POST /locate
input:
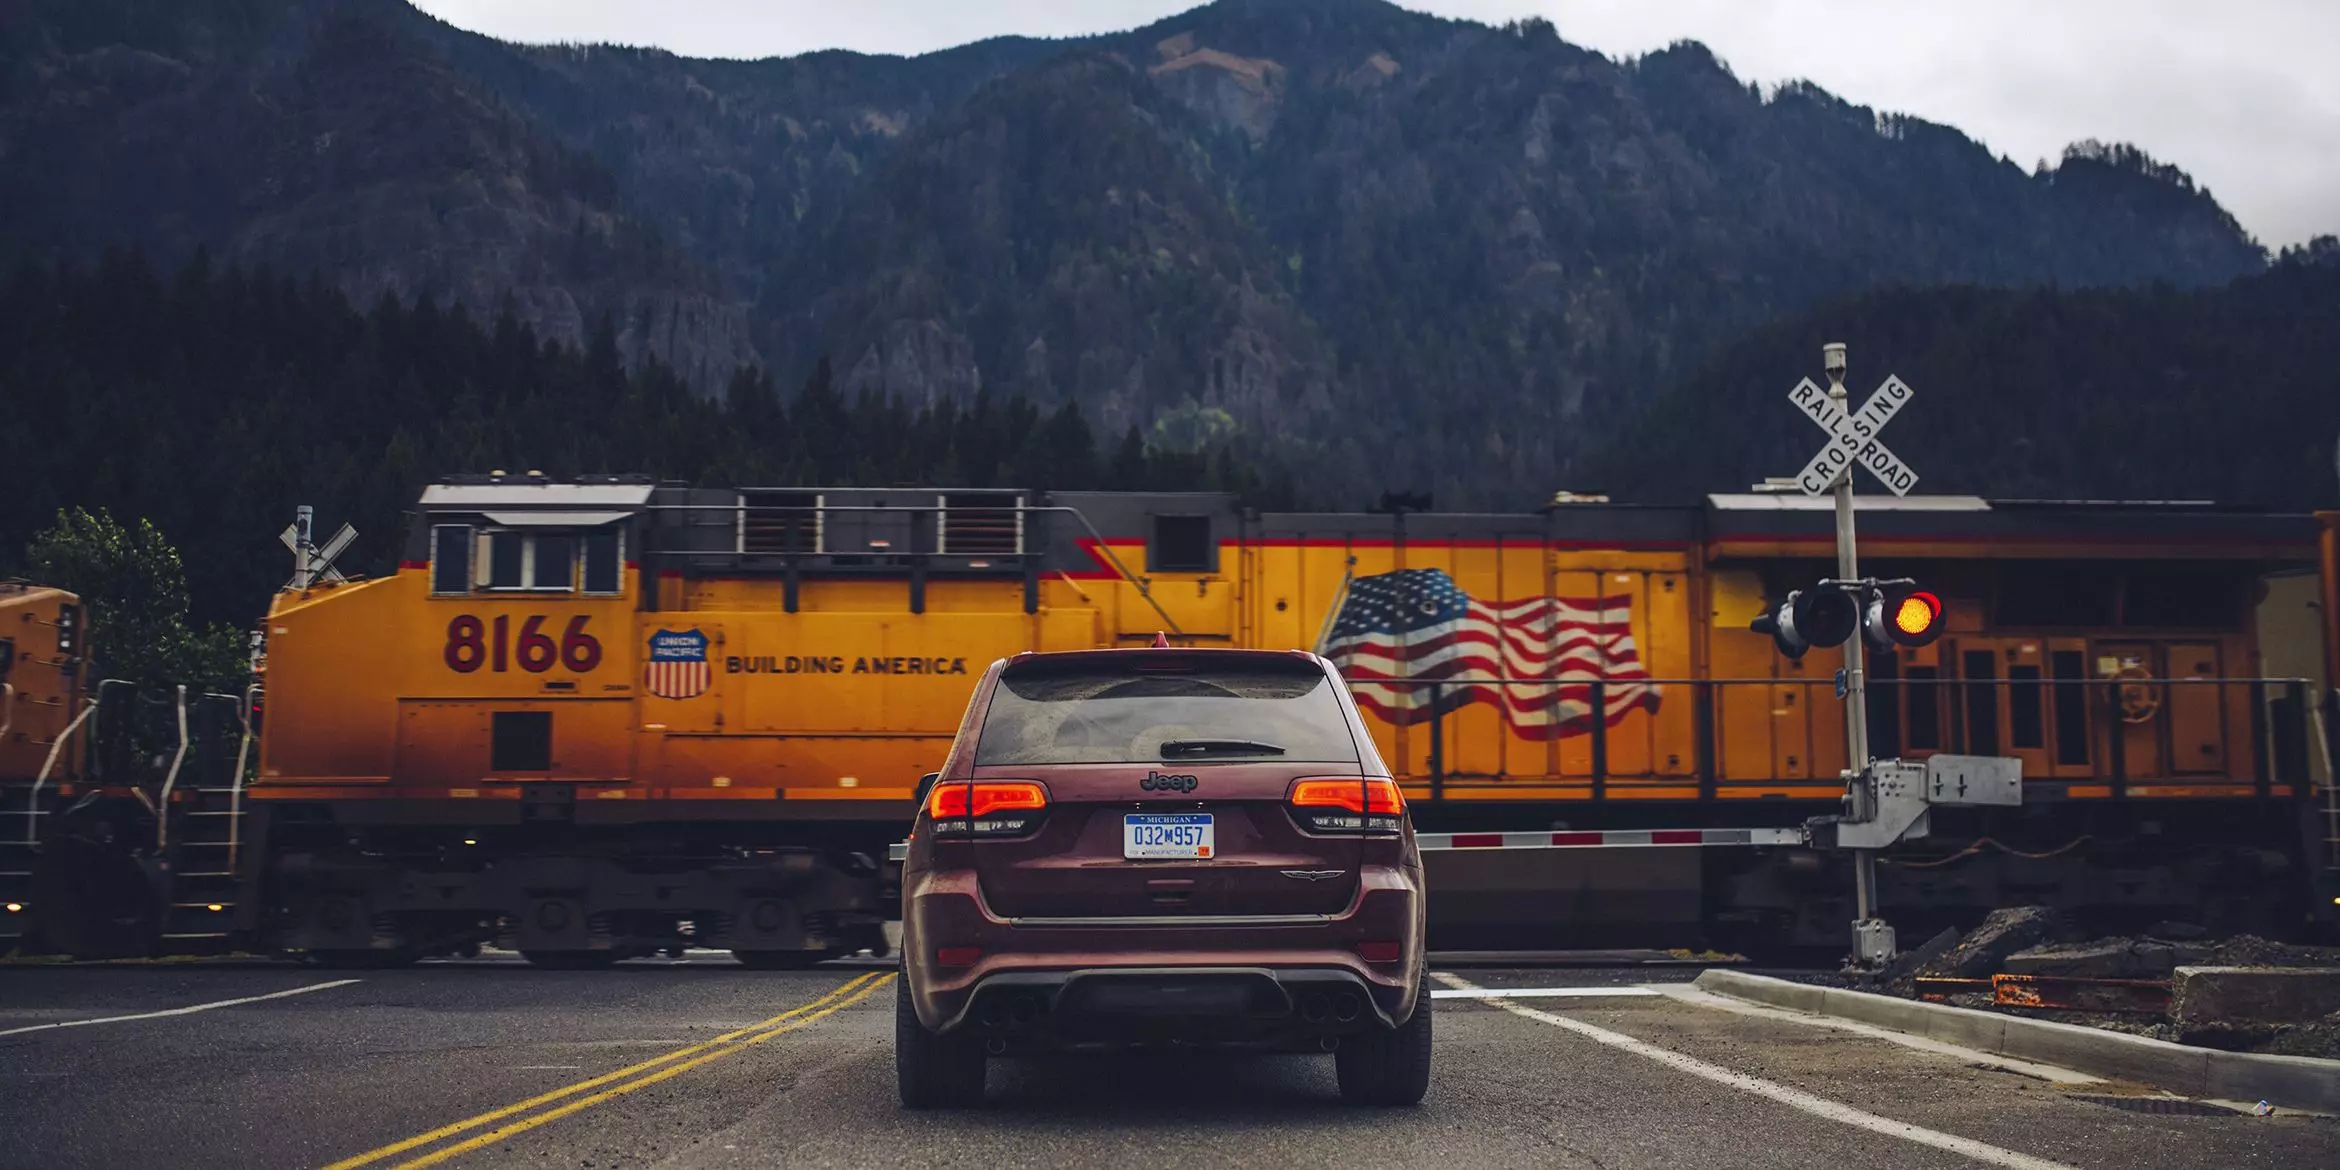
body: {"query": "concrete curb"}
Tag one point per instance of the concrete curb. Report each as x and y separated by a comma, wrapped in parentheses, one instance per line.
(2293, 1082)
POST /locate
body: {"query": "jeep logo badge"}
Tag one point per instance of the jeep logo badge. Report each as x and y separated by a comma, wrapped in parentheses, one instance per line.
(1157, 782)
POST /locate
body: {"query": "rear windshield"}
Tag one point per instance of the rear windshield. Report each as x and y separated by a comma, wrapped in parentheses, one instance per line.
(1175, 708)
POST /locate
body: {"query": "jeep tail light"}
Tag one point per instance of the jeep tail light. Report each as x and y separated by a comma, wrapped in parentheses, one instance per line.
(1380, 952)
(994, 808)
(957, 956)
(1350, 805)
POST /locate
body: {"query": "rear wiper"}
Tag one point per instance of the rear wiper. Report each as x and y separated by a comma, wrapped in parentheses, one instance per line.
(1173, 749)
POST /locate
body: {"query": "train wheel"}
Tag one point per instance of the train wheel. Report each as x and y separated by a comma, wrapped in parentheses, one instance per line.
(784, 960)
(571, 960)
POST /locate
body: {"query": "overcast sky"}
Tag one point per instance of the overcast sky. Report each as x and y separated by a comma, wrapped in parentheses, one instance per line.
(2242, 94)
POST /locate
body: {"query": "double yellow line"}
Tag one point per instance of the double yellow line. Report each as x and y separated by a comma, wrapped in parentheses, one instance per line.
(618, 1083)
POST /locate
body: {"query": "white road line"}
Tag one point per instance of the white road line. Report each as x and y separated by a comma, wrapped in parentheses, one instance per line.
(1816, 1105)
(2044, 1072)
(1535, 992)
(185, 1011)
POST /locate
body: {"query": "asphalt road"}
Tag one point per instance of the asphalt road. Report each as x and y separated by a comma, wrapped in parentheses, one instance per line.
(699, 1063)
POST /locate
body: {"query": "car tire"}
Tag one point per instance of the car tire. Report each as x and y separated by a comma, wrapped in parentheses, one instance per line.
(933, 1071)
(1388, 1066)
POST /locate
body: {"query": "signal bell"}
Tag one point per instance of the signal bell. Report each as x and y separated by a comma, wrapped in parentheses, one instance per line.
(1901, 617)
(1808, 618)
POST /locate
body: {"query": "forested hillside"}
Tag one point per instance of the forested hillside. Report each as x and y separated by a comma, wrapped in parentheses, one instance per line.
(1420, 253)
(211, 402)
(2231, 394)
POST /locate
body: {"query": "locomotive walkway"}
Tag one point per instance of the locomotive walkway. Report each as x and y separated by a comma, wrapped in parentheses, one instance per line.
(700, 1063)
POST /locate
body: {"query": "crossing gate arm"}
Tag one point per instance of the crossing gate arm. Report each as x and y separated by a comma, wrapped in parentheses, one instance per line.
(1603, 839)
(1608, 839)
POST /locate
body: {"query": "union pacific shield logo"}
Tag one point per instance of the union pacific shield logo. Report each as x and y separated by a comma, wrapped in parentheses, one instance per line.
(678, 664)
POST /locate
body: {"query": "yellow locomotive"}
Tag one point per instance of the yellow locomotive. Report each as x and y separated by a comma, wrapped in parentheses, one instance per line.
(606, 717)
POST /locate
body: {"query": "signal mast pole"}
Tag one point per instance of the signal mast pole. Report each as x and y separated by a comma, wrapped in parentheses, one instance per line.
(1856, 683)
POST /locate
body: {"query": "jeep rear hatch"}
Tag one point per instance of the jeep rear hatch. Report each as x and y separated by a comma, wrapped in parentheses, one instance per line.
(1168, 776)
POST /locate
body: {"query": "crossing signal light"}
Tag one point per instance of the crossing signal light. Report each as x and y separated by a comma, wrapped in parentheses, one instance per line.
(1901, 617)
(1808, 618)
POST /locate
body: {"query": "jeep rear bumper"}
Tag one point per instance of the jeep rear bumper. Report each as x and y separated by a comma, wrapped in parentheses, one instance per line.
(1215, 979)
(1238, 1006)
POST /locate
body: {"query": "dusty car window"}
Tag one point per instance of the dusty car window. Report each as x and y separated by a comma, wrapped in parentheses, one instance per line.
(1181, 710)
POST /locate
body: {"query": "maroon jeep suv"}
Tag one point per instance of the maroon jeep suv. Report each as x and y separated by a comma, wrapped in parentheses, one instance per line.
(1162, 847)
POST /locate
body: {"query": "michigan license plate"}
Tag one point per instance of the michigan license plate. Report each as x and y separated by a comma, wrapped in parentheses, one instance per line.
(1146, 835)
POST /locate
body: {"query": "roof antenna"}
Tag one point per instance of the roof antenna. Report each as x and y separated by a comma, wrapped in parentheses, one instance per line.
(1161, 640)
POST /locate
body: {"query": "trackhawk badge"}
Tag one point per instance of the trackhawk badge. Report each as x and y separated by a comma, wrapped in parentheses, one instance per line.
(1314, 875)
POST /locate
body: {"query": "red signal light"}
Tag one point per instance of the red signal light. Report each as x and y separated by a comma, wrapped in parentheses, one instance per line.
(1917, 613)
(1894, 618)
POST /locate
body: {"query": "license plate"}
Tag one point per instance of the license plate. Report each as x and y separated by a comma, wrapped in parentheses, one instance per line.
(1166, 835)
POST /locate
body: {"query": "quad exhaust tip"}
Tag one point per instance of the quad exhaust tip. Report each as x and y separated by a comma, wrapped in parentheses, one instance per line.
(1314, 1007)
(1348, 1006)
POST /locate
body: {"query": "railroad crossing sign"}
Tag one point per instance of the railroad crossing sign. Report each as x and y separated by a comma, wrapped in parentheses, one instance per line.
(314, 562)
(1852, 438)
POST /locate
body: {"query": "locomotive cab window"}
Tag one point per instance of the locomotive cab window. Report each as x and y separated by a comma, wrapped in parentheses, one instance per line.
(603, 557)
(531, 562)
(552, 563)
(451, 558)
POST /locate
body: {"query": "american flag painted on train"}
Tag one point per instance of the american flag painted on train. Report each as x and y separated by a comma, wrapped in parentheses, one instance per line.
(1417, 624)
(677, 667)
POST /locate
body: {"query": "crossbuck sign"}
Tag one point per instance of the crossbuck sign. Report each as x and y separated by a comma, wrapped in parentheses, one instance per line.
(1852, 438)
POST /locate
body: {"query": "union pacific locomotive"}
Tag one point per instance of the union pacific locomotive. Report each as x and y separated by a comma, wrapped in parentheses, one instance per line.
(606, 717)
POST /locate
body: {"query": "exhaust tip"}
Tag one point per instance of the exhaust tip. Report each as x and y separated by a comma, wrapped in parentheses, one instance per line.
(1024, 1010)
(994, 1012)
(1347, 1006)
(1314, 1007)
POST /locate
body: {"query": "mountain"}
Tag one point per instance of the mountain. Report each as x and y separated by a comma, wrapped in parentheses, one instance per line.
(2229, 394)
(1408, 251)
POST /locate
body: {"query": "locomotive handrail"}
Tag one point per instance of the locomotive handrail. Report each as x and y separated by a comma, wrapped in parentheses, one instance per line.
(236, 786)
(7, 709)
(32, 807)
(1101, 545)
(162, 818)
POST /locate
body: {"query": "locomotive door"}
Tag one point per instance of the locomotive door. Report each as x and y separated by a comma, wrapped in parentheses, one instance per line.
(2043, 707)
(2197, 733)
